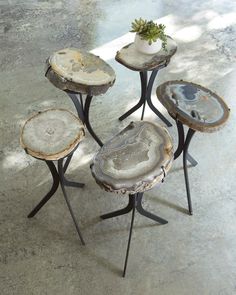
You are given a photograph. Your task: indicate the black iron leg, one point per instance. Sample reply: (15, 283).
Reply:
(67, 182)
(143, 212)
(181, 138)
(123, 211)
(48, 196)
(143, 79)
(139, 208)
(60, 171)
(185, 153)
(78, 103)
(83, 111)
(149, 101)
(180, 147)
(130, 234)
(86, 119)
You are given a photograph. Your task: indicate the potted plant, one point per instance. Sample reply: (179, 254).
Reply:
(150, 37)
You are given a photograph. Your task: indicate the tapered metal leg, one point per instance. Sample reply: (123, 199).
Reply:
(68, 182)
(181, 139)
(123, 211)
(78, 103)
(143, 79)
(67, 162)
(131, 111)
(130, 235)
(48, 196)
(60, 171)
(86, 119)
(143, 212)
(180, 147)
(139, 208)
(185, 152)
(143, 111)
(149, 101)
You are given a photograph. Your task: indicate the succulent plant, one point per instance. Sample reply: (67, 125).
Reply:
(138, 25)
(149, 31)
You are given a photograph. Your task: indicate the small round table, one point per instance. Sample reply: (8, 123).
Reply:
(129, 57)
(132, 162)
(198, 108)
(52, 136)
(78, 72)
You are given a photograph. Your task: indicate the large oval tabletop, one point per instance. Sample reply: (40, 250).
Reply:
(137, 61)
(193, 105)
(80, 71)
(135, 159)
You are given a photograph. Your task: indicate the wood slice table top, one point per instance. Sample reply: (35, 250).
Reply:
(79, 71)
(193, 105)
(137, 61)
(135, 159)
(51, 134)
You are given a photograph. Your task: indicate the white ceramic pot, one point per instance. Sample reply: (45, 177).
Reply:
(144, 47)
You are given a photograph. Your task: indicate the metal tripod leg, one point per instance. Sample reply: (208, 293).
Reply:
(142, 100)
(143, 212)
(83, 111)
(48, 196)
(149, 101)
(60, 171)
(68, 182)
(86, 119)
(185, 153)
(139, 208)
(78, 103)
(123, 211)
(180, 147)
(130, 234)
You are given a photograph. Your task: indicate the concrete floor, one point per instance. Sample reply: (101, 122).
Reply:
(190, 255)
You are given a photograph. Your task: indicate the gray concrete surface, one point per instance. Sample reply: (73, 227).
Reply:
(190, 255)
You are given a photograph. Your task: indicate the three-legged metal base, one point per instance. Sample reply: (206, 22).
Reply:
(58, 177)
(83, 111)
(135, 203)
(183, 146)
(146, 91)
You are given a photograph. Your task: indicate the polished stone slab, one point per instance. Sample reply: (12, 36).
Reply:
(79, 71)
(51, 134)
(135, 159)
(194, 105)
(137, 61)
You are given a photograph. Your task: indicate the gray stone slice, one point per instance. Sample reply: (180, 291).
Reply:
(134, 160)
(194, 105)
(51, 134)
(79, 71)
(137, 61)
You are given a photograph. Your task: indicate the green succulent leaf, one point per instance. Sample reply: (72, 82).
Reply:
(149, 31)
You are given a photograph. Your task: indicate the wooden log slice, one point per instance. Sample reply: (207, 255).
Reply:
(195, 106)
(51, 134)
(134, 160)
(79, 71)
(137, 61)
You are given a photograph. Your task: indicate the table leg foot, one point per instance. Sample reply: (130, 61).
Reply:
(123, 211)
(147, 214)
(52, 191)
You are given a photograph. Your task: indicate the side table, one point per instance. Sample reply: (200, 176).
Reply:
(196, 107)
(136, 61)
(132, 162)
(78, 72)
(52, 136)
